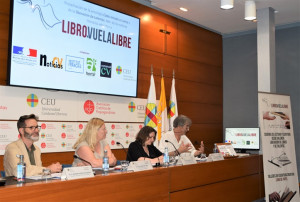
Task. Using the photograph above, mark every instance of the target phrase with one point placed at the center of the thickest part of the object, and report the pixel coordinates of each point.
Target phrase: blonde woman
(91, 144)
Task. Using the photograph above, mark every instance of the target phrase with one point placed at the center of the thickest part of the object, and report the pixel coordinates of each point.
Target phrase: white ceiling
(208, 14)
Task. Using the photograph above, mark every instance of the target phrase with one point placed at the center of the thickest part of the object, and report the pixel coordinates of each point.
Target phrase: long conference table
(236, 179)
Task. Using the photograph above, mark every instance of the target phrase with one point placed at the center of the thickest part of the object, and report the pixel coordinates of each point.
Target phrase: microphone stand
(118, 143)
(77, 157)
(178, 154)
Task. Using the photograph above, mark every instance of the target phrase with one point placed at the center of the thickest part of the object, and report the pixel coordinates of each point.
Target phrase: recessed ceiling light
(183, 9)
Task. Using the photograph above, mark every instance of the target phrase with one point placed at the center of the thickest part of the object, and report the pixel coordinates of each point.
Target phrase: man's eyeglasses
(33, 127)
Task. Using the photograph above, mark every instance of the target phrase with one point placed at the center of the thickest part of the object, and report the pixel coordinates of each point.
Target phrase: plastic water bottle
(166, 157)
(21, 169)
(215, 150)
(105, 164)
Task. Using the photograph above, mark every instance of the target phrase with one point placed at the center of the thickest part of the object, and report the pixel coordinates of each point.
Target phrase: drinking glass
(46, 174)
(124, 165)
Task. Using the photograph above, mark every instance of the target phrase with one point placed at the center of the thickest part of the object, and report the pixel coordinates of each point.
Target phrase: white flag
(173, 112)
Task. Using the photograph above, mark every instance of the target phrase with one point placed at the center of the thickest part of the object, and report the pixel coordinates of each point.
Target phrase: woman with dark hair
(143, 149)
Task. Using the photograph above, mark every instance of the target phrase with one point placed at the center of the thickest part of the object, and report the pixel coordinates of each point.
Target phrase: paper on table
(100, 168)
(35, 177)
(40, 177)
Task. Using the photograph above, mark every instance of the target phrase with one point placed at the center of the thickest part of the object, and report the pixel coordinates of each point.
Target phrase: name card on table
(187, 159)
(79, 172)
(140, 166)
(215, 157)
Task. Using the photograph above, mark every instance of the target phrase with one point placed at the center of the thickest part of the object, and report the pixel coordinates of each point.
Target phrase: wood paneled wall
(195, 54)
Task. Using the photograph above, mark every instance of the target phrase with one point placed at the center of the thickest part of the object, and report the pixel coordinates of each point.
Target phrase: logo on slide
(89, 107)
(131, 107)
(63, 144)
(63, 126)
(105, 69)
(32, 100)
(24, 56)
(74, 64)
(63, 135)
(20, 51)
(91, 66)
(119, 70)
(43, 145)
(56, 62)
(43, 135)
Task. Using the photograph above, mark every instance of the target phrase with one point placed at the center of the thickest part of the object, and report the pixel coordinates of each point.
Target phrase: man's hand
(184, 147)
(200, 150)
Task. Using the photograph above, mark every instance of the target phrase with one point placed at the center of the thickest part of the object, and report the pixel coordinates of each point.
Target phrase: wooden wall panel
(208, 133)
(144, 84)
(198, 92)
(5, 6)
(201, 113)
(4, 27)
(199, 72)
(158, 61)
(199, 44)
(3, 66)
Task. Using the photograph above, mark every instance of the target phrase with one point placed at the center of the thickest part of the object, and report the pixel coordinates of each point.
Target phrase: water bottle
(166, 157)
(105, 164)
(21, 169)
(215, 150)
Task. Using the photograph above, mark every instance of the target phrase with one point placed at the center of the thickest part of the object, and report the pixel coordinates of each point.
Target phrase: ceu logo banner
(131, 107)
(119, 70)
(89, 107)
(63, 144)
(32, 100)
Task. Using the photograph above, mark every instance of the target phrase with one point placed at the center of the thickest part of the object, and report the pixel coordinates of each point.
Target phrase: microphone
(77, 157)
(118, 143)
(178, 154)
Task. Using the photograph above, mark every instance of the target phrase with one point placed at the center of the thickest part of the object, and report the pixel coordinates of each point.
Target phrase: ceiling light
(183, 9)
(226, 4)
(250, 10)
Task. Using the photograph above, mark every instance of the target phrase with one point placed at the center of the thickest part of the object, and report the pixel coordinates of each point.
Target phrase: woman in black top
(143, 149)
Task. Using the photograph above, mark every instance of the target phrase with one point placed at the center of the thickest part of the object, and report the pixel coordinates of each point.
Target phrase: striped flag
(150, 116)
(162, 113)
(173, 112)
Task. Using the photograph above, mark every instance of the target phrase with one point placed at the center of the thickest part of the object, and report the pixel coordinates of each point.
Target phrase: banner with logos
(68, 106)
(279, 158)
(63, 116)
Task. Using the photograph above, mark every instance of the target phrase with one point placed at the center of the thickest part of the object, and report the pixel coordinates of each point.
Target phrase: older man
(181, 126)
(29, 133)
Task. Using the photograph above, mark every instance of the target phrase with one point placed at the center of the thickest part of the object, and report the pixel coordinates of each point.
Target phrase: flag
(150, 116)
(173, 112)
(162, 113)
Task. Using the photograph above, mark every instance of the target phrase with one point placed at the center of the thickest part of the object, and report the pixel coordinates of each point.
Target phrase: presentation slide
(242, 138)
(73, 45)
